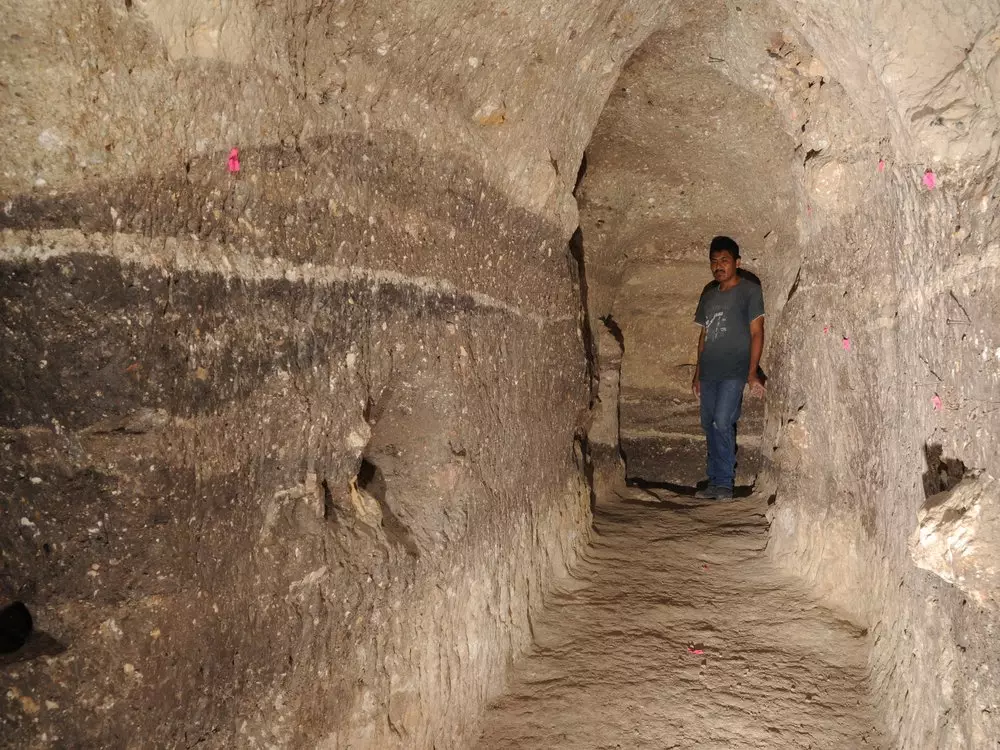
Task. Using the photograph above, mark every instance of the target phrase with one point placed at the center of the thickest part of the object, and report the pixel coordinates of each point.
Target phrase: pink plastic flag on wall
(936, 401)
(930, 180)
(881, 165)
(234, 160)
(846, 343)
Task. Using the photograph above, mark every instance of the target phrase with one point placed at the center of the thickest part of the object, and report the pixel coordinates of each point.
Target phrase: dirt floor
(677, 632)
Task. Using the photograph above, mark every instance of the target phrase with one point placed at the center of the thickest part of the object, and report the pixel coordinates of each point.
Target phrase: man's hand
(756, 386)
(696, 387)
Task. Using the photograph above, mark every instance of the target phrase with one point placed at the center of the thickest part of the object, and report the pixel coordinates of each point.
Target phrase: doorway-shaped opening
(682, 153)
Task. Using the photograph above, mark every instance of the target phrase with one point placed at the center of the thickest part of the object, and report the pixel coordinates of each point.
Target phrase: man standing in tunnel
(731, 315)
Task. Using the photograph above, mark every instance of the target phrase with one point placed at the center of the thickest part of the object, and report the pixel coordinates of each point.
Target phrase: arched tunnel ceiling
(680, 151)
(384, 282)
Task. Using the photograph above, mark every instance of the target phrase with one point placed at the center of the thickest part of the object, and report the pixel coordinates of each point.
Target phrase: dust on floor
(676, 631)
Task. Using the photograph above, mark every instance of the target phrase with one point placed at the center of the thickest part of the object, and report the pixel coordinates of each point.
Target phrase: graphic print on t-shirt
(715, 326)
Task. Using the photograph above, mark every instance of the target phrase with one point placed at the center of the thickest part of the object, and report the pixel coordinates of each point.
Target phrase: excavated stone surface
(294, 450)
(183, 443)
(202, 366)
(120, 88)
(958, 538)
(880, 353)
(676, 630)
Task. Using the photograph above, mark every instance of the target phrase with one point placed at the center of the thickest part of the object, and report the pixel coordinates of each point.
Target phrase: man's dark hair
(721, 243)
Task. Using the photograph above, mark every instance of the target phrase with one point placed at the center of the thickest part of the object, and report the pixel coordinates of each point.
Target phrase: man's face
(724, 266)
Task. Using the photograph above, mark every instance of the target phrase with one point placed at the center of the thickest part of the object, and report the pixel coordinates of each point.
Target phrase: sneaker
(709, 493)
(723, 493)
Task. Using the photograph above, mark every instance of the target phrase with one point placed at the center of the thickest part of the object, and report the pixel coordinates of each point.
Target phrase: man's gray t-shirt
(726, 317)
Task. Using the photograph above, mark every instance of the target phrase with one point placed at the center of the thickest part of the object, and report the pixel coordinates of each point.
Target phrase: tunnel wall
(888, 370)
(198, 526)
(855, 446)
(264, 514)
(290, 449)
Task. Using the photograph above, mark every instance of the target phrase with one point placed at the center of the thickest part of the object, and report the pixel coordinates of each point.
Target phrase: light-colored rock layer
(959, 538)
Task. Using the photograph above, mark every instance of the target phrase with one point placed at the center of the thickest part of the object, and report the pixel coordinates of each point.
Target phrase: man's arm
(756, 349)
(696, 380)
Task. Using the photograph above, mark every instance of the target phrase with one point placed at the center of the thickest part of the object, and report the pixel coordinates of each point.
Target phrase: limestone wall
(888, 371)
(289, 450)
(881, 305)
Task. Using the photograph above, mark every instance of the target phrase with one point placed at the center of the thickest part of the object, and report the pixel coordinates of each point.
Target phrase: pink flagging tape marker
(697, 651)
(930, 181)
(846, 343)
(826, 329)
(936, 401)
(234, 160)
(881, 165)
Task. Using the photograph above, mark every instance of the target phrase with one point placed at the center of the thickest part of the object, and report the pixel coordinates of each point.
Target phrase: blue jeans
(721, 401)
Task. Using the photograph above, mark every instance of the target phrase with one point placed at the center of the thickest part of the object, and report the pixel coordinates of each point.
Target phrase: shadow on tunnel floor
(683, 490)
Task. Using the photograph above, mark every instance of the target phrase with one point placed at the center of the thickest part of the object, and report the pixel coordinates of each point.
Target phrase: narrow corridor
(676, 631)
(335, 332)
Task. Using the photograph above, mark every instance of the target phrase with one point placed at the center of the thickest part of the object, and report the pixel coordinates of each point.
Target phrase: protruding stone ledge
(958, 538)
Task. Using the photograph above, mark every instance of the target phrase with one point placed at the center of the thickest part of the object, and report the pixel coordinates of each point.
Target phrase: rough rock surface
(958, 538)
(249, 490)
(293, 450)
(261, 424)
(677, 631)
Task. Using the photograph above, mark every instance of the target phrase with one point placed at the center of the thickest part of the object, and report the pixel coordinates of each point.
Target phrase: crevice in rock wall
(582, 454)
(578, 271)
(795, 286)
(584, 460)
(329, 507)
(604, 434)
(369, 486)
(942, 473)
(615, 330)
(15, 627)
(615, 364)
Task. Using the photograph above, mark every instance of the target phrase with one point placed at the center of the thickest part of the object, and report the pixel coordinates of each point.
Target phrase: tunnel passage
(681, 153)
(228, 229)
